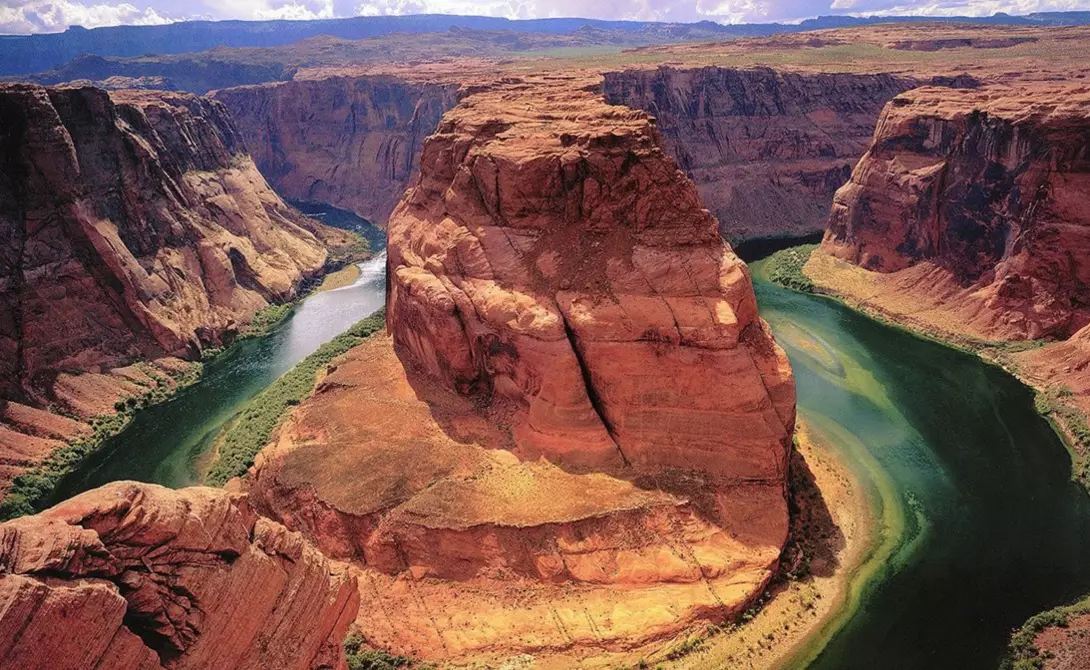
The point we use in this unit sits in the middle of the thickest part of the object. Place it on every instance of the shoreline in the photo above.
(1047, 628)
(994, 353)
(791, 626)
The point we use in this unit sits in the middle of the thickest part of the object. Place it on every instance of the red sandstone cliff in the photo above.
(134, 227)
(973, 202)
(351, 142)
(588, 418)
(767, 149)
(138, 576)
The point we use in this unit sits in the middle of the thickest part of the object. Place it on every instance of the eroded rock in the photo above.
(138, 576)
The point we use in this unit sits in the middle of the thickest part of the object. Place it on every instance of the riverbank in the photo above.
(51, 481)
(243, 438)
(154, 382)
(833, 535)
(1048, 638)
(854, 287)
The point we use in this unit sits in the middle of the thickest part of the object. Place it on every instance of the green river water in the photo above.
(979, 527)
(979, 523)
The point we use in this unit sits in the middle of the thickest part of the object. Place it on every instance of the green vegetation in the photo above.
(254, 427)
(266, 319)
(1056, 403)
(29, 492)
(1023, 653)
(361, 656)
(691, 644)
(785, 268)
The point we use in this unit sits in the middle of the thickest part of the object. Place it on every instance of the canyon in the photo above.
(350, 142)
(137, 233)
(573, 441)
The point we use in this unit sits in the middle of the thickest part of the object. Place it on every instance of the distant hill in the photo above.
(24, 54)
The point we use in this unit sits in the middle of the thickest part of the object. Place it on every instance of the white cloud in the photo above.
(36, 16)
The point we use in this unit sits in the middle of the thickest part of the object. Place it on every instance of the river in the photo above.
(168, 443)
(979, 523)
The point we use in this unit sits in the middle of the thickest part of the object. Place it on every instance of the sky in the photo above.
(43, 16)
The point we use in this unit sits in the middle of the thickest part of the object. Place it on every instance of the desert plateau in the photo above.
(401, 337)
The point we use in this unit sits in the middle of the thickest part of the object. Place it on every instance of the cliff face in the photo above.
(351, 142)
(766, 149)
(983, 191)
(138, 576)
(134, 227)
(585, 416)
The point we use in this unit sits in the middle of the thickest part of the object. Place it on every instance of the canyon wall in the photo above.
(578, 414)
(766, 149)
(138, 576)
(972, 203)
(134, 228)
(351, 142)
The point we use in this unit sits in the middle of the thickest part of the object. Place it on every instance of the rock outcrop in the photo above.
(138, 576)
(588, 418)
(972, 201)
(351, 142)
(134, 227)
(767, 149)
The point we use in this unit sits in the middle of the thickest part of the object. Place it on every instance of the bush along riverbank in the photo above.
(253, 428)
(30, 492)
(1055, 403)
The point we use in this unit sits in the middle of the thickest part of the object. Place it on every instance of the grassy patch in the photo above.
(785, 268)
(254, 427)
(361, 656)
(1056, 403)
(1022, 653)
(266, 319)
(30, 491)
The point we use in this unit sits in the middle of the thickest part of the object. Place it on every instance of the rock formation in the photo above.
(135, 227)
(972, 201)
(351, 142)
(588, 418)
(766, 149)
(137, 576)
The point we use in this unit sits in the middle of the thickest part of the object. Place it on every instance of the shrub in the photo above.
(785, 268)
(360, 656)
(30, 492)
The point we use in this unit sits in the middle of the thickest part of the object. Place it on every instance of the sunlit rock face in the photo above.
(982, 190)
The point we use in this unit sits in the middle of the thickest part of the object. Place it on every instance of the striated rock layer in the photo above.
(766, 149)
(351, 142)
(134, 227)
(974, 201)
(138, 576)
(584, 443)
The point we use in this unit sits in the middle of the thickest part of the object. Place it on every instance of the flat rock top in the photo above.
(1040, 102)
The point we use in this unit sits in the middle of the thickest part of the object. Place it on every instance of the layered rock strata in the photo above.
(135, 227)
(970, 203)
(137, 576)
(766, 149)
(351, 142)
(582, 440)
